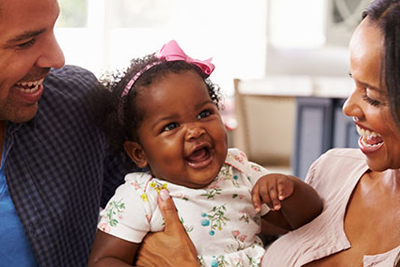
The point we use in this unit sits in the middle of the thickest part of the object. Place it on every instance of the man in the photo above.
(53, 159)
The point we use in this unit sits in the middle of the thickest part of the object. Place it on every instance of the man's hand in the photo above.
(172, 247)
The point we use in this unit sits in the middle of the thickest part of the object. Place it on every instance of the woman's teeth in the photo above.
(369, 138)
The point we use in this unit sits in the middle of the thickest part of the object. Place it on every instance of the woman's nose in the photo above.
(351, 106)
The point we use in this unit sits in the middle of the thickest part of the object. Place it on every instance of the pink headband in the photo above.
(169, 52)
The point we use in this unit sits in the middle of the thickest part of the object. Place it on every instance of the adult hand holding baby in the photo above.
(174, 238)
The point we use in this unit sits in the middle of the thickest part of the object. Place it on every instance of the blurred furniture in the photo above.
(291, 120)
(320, 125)
(265, 125)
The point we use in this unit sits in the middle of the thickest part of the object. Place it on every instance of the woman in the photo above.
(361, 188)
(360, 223)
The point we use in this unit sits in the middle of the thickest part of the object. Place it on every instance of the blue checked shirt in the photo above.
(58, 172)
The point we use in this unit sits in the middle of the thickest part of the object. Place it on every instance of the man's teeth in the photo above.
(30, 87)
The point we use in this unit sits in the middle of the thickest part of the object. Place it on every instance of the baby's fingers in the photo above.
(285, 188)
(281, 191)
(255, 198)
(274, 196)
(267, 192)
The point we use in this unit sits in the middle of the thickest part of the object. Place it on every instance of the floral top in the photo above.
(220, 219)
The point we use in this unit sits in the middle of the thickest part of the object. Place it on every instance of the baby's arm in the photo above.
(109, 250)
(293, 203)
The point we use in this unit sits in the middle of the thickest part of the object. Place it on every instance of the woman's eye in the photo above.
(204, 114)
(170, 126)
(371, 101)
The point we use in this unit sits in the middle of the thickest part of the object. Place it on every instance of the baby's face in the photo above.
(182, 136)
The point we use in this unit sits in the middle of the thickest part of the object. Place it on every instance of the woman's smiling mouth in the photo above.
(369, 141)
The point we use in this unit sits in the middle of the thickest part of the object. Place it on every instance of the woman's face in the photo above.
(368, 104)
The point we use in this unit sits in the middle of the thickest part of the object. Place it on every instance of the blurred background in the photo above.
(282, 64)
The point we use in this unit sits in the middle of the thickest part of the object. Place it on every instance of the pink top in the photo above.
(334, 176)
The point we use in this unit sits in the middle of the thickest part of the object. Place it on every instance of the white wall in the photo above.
(233, 32)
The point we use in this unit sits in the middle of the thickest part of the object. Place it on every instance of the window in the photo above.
(295, 24)
(105, 34)
(343, 16)
(74, 13)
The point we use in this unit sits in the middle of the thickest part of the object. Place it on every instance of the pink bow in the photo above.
(172, 52)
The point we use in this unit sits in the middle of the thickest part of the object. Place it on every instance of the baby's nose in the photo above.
(194, 132)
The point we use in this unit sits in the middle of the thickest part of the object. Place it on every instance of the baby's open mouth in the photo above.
(200, 157)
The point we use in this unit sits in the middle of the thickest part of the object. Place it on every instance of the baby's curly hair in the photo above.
(119, 116)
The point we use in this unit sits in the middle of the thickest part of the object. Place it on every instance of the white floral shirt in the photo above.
(220, 219)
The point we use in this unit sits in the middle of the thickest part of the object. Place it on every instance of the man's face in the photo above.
(28, 49)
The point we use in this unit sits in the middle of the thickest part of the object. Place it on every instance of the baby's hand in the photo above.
(272, 189)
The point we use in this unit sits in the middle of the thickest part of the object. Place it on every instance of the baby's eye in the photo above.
(204, 114)
(170, 126)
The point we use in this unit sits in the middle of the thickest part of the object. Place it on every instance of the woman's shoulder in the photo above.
(345, 153)
(340, 158)
(336, 167)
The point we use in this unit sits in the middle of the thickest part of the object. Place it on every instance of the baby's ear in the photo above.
(136, 153)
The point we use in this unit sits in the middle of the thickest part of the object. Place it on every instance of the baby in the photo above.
(165, 116)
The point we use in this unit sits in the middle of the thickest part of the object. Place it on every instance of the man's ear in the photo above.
(136, 153)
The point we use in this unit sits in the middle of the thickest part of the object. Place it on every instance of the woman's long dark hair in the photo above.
(386, 14)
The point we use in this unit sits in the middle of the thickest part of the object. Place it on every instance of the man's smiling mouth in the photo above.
(29, 87)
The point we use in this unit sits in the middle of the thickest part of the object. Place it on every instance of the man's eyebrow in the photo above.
(24, 36)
